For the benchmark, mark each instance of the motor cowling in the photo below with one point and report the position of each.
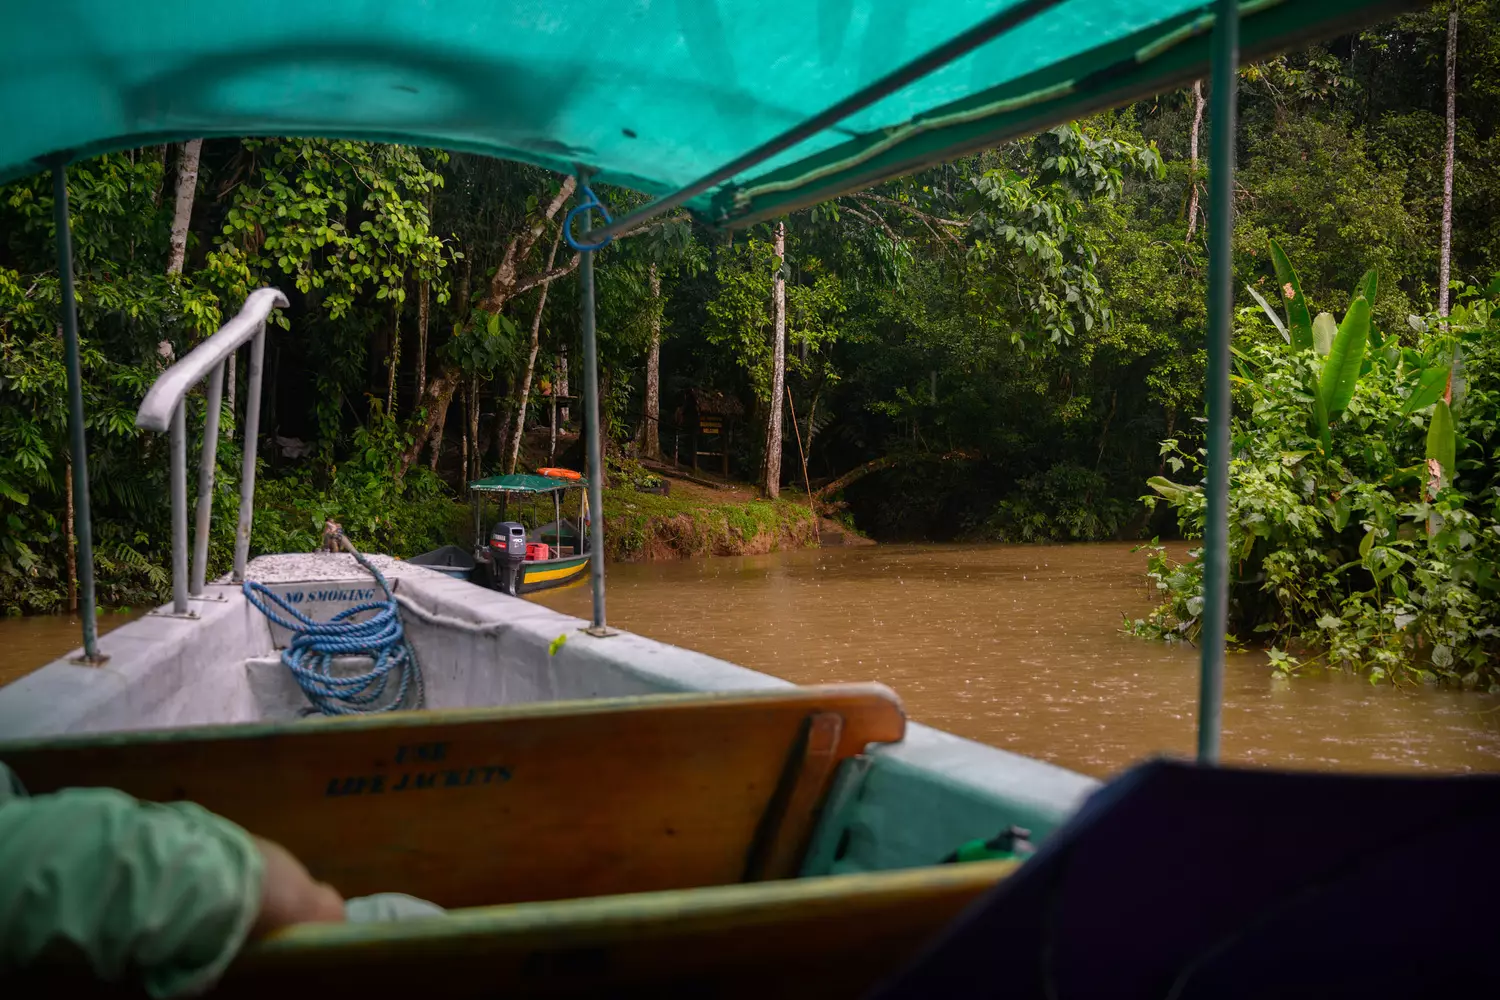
(507, 552)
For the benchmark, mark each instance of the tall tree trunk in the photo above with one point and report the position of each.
(505, 412)
(72, 540)
(439, 423)
(1446, 249)
(394, 361)
(182, 217)
(463, 464)
(651, 429)
(478, 453)
(434, 417)
(562, 380)
(423, 290)
(1198, 105)
(506, 283)
(182, 212)
(771, 485)
(552, 426)
(518, 432)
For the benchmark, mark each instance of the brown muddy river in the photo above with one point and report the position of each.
(1019, 647)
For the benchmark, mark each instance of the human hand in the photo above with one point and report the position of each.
(289, 895)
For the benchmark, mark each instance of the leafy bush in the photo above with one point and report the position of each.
(1364, 527)
(1065, 503)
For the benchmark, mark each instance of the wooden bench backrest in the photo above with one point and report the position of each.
(541, 801)
(830, 938)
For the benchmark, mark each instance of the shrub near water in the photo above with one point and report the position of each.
(1364, 527)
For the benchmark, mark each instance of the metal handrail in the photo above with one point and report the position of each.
(165, 409)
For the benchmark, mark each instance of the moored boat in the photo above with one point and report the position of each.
(450, 560)
(515, 560)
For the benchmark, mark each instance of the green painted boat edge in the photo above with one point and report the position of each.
(611, 912)
(579, 564)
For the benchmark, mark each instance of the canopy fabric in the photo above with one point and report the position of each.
(522, 482)
(651, 94)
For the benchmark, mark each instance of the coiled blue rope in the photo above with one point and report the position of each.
(591, 201)
(315, 644)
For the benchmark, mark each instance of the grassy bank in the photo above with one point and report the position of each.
(699, 522)
(691, 521)
(420, 516)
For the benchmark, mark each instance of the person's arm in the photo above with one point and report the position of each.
(161, 894)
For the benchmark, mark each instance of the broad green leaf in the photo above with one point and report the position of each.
(1365, 544)
(1174, 492)
(1442, 442)
(1320, 421)
(1299, 320)
(1341, 369)
(1341, 510)
(1367, 286)
(1430, 388)
(1324, 328)
(1460, 381)
(1271, 315)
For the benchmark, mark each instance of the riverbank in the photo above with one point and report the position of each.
(728, 519)
(698, 516)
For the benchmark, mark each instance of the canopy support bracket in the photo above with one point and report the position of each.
(1226, 52)
(83, 522)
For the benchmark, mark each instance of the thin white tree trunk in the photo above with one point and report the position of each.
(651, 430)
(562, 381)
(771, 486)
(1446, 250)
(1198, 105)
(513, 452)
(182, 217)
(182, 212)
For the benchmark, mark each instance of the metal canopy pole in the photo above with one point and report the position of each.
(1226, 57)
(592, 440)
(83, 524)
(985, 31)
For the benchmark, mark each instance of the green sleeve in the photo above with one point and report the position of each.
(162, 894)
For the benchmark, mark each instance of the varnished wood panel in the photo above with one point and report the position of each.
(530, 802)
(830, 938)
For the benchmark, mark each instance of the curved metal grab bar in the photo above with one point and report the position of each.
(167, 391)
(165, 409)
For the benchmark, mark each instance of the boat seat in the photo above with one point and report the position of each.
(831, 937)
(546, 800)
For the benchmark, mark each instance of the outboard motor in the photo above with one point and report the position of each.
(507, 553)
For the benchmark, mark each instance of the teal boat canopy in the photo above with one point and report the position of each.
(650, 95)
(522, 482)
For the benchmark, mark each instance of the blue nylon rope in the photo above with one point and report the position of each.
(314, 645)
(591, 201)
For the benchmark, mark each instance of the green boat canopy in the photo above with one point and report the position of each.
(652, 95)
(521, 482)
